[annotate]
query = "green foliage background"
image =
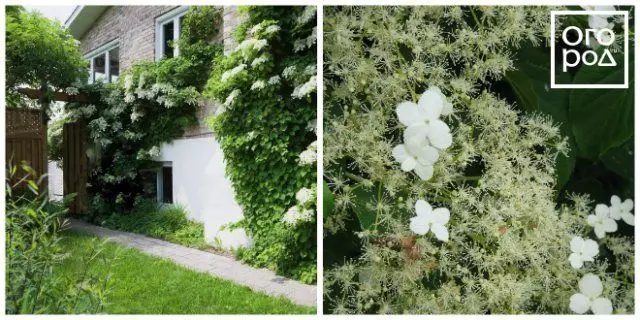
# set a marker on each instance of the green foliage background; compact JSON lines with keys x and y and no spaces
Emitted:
{"x":262,"y":135}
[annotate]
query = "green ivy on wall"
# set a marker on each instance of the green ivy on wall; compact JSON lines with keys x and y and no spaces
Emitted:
{"x":265,"y":127}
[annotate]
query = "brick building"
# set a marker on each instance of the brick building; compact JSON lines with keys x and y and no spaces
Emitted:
{"x":113,"y":38}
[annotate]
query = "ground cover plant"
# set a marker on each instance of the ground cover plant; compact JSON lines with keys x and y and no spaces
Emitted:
{"x":166,"y":222}
{"x":265,"y":126}
{"x":34,"y":249}
{"x":457,"y":182}
{"x":142,"y":284}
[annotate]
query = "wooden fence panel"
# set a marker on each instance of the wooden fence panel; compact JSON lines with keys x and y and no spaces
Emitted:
{"x":26,"y":139}
{"x":74,"y":163}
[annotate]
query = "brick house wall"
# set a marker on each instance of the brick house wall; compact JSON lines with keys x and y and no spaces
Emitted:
{"x":134,"y":27}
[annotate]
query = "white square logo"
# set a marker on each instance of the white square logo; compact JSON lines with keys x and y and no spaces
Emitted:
{"x":602,"y":38}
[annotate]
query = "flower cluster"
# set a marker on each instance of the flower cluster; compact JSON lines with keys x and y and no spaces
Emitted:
{"x":425,"y":134}
{"x":429,"y":219}
{"x":309,"y":156}
{"x":303,"y":210}
{"x":604,"y":219}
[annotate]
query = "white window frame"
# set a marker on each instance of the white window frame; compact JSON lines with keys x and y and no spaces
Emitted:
{"x":104,"y":49}
{"x":171,"y":16}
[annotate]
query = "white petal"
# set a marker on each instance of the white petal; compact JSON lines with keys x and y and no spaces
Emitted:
{"x":590,"y":248}
{"x":428,"y":155}
{"x":598,"y":21}
{"x":576,"y":244}
{"x":408,"y":113}
{"x":627,"y":205}
{"x":629,"y":218}
{"x":425,"y":172}
{"x":441,"y":215}
{"x":598,"y":229}
{"x":615,"y":200}
{"x":591,"y":220}
{"x":400,"y":153}
{"x":604,"y":8}
{"x":576,"y":260}
{"x":418,"y":226}
{"x":416,"y":132}
{"x":431,"y":104}
{"x":423,"y":208}
{"x":408,"y":164}
{"x":439,"y":135}
{"x":579,"y":303}
{"x":440,"y":232}
{"x":610,"y":225}
{"x":602,"y":209}
{"x":590,"y":285}
{"x":601,"y":306}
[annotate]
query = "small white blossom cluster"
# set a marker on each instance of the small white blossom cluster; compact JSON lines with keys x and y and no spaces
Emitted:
{"x":247,"y":46}
{"x":308,"y":42}
{"x":272,"y":29}
{"x":232,"y":97}
{"x":589,"y":297}
{"x":259,"y":60}
{"x":429,"y":219}
{"x":274,"y":80}
{"x":231,"y":73}
{"x":303,"y":210}
{"x":71,"y":90}
{"x":425,"y":134}
{"x":309,"y":155}
{"x":308,"y":13}
{"x":604,"y":219}
{"x":289,"y":72}
{"x":305,"y":89}
{"x":258,"y":85}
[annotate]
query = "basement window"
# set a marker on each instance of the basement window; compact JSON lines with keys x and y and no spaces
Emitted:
{"x":165,"y":183}
{"x":168,"y":27}
{"x":104,"y":63}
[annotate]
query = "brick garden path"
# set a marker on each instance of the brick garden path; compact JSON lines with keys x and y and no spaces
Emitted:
{"x":262,"y":280}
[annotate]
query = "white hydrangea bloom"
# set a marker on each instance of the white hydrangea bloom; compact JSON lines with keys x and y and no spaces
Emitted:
{"x":308,"y":157}
{"x":255,"y":29}
{"x":71,"y":90}
{"x":307,"y":214}
{"x":417,"y":155}
{"x":258,"y":85}
{"x":259,"y":60}
{"x":601,"y":222}
{"x":308,"y":13}
{"x":230,"y":73}
{"x":429,"y":219}
{"x":582,"y":250}
{"x":274,"y":80}
{"x":619,"y":209}
{"x":423,"y":118}
{"x":154,"y":151}
{"x":232,"y":97}
{"x":272,"y":29}
{"x":599,"y":21}
{"x":135,"y":115}
{"x":288,"y":72}
{"x":304,"y":196}
{"x":305,"y":89}
{"x":313,"y":145}
{"x":128,"y":82}
{"x":589,"y":297}
{"x":129,"y":98}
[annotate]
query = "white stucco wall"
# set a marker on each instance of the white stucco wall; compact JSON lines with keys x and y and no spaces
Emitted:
{"x":200,"y":185}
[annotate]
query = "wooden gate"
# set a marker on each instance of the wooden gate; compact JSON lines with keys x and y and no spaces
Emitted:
{"x":26,"y":139}
{"x":74,"y":163}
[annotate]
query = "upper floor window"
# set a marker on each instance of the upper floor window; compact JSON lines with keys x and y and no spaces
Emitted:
{"x":168,"y":27}
{"x":104,"y":63}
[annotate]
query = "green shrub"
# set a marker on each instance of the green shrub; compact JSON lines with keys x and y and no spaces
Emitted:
{"x":265,"y":129}
{"x":166,"y":222}
{"x":33,"y":249}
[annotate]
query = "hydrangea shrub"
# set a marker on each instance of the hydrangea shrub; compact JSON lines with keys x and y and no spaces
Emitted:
{"x":447,"y":189}
{"x":266,"y":128}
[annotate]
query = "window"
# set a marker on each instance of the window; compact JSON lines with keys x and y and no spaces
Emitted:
{"x":168,"y":28}
{"x":104,"y":63}
{"x":164,"y":186}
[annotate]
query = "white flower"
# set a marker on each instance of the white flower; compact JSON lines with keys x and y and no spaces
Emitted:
{"x":313,"y":145}
{"x":291,"y":216}
{"x":304,"y":195}
{"x":258,"y":85}
{"x":308,"y":156}
{"x":417,"y":155}
{"x":288,"y":72}
{"x":230,"y":73}
{"x":589,"y":297}
{"x":231,"y":98}
{"x":430,"y":219}
{"x":599,"y":21}
{"x":619,"y":209}
{"x":128,"y":82}
{"x":274,"y":80}
{"x":582,"y":250}
{"x":255,"y":29}
{"x":422,"y":119}
{"x":601,"y":222}
{"x":259,"y":60}
{"x":305,"y":89}
{"x":272,"y":29}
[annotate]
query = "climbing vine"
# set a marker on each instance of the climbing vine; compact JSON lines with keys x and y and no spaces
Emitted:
{"x":152,"y":103}
{"x":265,"y":127}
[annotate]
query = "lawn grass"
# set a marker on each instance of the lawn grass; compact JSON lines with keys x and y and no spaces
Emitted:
{"x":143,"y":284}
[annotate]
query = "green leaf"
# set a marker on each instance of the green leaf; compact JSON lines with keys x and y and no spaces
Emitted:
{"x":601,"y":119}
{"x":620,"y":160}
{"x":327,"y":200}
{"x":530,"y":82}
{"x":362,"y":208}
